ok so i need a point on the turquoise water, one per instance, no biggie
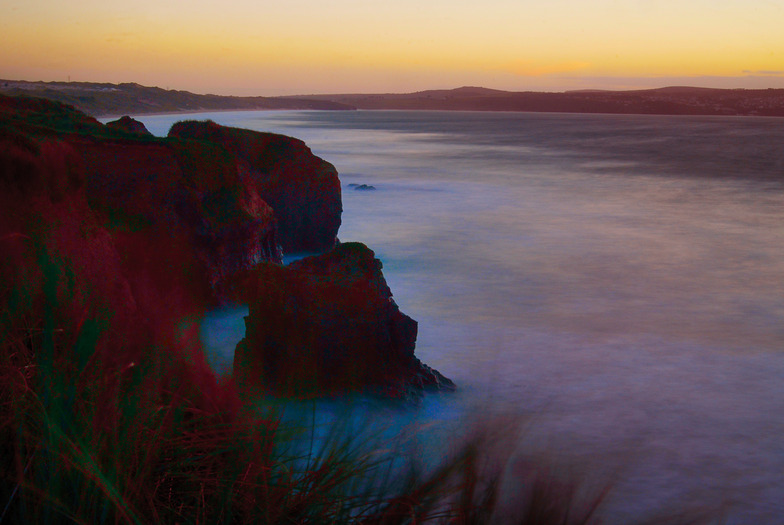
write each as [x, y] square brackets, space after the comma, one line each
[613, 285]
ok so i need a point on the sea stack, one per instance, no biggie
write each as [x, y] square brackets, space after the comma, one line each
[328, 324]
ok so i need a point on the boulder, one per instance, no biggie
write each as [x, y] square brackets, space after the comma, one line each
[363, 187]
[328, 324]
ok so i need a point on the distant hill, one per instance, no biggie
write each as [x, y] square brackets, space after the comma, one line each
[134, 99]
[664, 101]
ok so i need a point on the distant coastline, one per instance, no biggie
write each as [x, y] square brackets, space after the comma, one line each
[113, 100]
[110, 100]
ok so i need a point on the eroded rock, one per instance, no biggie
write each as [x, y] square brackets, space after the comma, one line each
[328, 324]
[302, 189]
[129, 125]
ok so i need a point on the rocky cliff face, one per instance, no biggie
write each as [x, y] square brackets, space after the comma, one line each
[303, 189]
[195, 193]
[236, 195]
[84, 293]
[326, 324]
[141, 235]
[199, 194]
[62, 264]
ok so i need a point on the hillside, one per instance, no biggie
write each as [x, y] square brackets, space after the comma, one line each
[663, 101]
[123, 99]
[134, 99]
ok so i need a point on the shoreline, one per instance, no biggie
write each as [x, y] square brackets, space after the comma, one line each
[106, 100]
[195, 111]
[434, 110]
[105, 118]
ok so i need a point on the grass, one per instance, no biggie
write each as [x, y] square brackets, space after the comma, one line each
[85, 440]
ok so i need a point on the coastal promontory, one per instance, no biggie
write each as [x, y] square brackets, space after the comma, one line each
[148, 234]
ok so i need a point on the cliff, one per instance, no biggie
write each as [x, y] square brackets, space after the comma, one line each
[130, 98]
[141, 235]
[303, 189]
[63, 267]
[237, 195]
[198, 194]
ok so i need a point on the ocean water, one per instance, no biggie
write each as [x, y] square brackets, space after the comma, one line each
[606, 291]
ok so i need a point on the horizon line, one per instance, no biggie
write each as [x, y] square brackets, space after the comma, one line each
[355, 93]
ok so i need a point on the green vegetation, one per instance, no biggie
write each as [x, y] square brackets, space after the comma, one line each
[91, 438]
[52, 118]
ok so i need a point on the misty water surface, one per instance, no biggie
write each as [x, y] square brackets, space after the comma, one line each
[614, 282]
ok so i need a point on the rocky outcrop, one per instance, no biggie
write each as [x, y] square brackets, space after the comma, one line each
[129, 125]
[362, 187]
[303, 189]
[194, 192]
[92, 296]
[46, 117]
[142, 235]
[57, 250]
[236, 196]
[328, 324]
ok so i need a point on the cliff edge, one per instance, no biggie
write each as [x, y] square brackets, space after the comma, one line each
[146, 234]
[303, 189]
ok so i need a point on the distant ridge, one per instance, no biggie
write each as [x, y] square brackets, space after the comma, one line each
[130, 98]
[99, 99]
[673, 100]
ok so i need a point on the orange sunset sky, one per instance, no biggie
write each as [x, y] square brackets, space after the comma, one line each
[247, 47]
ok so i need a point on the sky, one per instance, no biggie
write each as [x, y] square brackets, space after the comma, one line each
[261, 47]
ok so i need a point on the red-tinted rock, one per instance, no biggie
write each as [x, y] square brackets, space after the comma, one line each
[129, 125]
[49, 236]
[47, 117]
[303, 189]
[197, 193]
[101, 297]
[141, 233]
[328, 324]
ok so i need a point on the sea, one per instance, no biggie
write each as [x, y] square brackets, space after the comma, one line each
[607, 291]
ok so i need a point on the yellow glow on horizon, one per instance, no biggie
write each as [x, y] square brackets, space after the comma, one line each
[510, 41]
